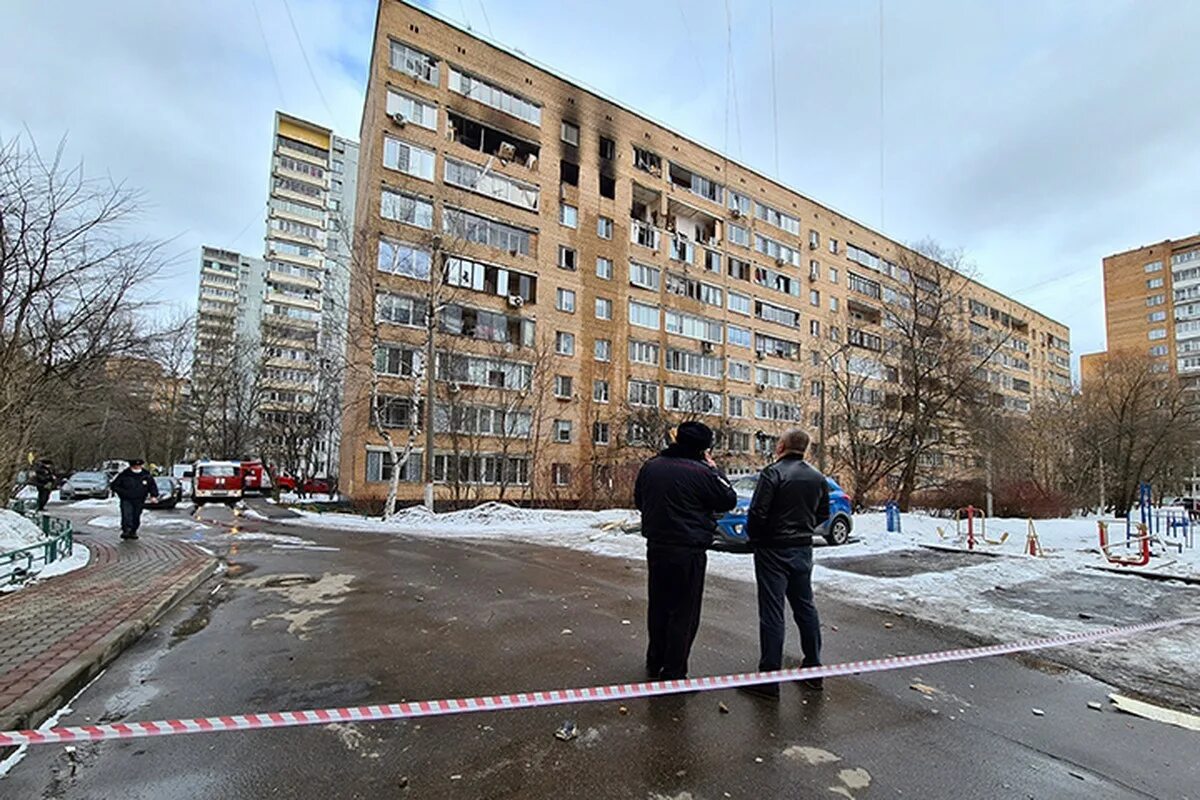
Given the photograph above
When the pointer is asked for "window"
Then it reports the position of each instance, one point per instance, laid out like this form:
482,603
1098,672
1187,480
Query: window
1158,333
608,186
562,431
738,337
642,315
696,184
1156,300
643,393
563,386
489,326
566,257
774,346
643,352
833,304
773,313
777,250
408,158
412,109
693,327
489,279
414,62
777,412
483,371
568,215
570,133
739,203
694,363
1154,283
739,371
407,208
608,148
568,173
397,361
1153,266
1158,350
604,268
481,230
602,349
600,391
814,297
737,408
833,246
380,465
644,276
777,218
814,240
604,308
689,287
399,310
604,227
494,96
833,275
862,285
778,378
739,269
561,473
398,258
564,343
1156,316
738,235
739,303
692,401
474,178
564,300
599,433
712,261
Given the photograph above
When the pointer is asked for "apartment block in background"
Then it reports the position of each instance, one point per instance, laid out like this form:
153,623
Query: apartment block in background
1152,306
229,308
643,276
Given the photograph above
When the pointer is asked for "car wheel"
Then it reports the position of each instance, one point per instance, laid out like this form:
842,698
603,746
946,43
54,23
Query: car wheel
839,531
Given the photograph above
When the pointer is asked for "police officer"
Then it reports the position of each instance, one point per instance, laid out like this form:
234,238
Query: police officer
45,480
133,485
680,492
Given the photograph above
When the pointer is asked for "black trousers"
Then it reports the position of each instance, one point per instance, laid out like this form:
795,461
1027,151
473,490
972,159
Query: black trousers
43,497
786,574
673,615
131,515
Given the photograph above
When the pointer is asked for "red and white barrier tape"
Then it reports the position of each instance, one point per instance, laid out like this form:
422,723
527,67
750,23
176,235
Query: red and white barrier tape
553,697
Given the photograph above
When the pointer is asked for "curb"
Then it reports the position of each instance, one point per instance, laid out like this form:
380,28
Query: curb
39,704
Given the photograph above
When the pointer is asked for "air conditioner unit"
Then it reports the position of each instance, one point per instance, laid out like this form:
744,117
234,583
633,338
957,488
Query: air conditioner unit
508,151
455,388
779,262
762,387
813,245
737,213
707,347
760,355
516,301
399,119
531,161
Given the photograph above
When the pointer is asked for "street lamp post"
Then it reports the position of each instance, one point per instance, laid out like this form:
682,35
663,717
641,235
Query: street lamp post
430,329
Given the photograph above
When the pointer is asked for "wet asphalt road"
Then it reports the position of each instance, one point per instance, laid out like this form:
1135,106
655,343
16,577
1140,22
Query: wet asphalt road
388,618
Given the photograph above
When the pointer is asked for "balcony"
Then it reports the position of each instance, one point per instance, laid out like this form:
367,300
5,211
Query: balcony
682,250
863,312
644,234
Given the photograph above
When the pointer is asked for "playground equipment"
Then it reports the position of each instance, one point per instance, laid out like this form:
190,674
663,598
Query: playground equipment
1141,559
972,514
1033,545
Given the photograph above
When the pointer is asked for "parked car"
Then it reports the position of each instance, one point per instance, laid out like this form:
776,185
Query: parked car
316,486
85,484
731,528
217,482
285,482
170,493
113,467
183,473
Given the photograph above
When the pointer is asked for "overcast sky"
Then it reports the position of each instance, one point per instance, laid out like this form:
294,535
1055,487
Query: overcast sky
1038,137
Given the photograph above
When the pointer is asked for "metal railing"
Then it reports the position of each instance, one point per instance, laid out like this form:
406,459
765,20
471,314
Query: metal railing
22,564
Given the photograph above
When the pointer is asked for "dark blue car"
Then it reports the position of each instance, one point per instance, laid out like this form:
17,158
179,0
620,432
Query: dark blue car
731,528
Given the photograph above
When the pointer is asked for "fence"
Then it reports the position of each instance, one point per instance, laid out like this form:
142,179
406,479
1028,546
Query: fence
18,566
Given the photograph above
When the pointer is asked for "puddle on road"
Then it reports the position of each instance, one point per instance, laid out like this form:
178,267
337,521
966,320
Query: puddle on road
902,563
311,598
812,756
1100,598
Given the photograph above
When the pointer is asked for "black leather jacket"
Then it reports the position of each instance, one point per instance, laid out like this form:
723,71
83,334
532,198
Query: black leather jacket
791,500
134,486
678,497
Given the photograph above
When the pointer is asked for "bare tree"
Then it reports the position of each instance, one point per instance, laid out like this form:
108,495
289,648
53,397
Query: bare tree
227,402
70,274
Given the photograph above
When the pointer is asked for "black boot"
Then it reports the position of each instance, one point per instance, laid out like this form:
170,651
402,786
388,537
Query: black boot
766,691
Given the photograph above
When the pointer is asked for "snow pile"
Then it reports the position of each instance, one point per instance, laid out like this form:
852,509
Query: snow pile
110,502
17,531
488,520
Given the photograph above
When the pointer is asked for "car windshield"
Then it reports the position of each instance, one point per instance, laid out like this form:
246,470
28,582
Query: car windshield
218,472
89,477
163,483
745,484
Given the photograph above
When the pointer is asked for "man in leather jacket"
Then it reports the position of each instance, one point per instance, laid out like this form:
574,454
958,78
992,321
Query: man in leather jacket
791,500
680,492
133,485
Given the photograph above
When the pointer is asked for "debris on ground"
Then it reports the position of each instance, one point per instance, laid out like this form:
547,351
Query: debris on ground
724,709
1094,706
567,632
924,689
1037,712
566,732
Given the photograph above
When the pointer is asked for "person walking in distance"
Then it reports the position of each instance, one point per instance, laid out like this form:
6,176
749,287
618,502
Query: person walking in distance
791,500
133,485
680,492
45,480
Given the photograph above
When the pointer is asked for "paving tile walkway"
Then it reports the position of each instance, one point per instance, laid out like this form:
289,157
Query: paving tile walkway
56,635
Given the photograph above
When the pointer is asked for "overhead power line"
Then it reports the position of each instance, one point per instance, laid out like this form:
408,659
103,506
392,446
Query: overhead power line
267,49
774,87
307,63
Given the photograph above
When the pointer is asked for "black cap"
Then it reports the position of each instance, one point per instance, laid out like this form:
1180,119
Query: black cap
136,462
693,437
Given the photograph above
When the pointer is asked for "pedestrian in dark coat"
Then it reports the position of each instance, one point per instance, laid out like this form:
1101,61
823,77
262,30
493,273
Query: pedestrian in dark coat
45,480
133,485
680,493
791,500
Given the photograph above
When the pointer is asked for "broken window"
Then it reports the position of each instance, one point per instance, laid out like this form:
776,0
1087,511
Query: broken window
568,173
608,148
492,141
608,187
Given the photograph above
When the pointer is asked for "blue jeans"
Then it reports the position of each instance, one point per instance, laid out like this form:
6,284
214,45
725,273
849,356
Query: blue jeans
786,573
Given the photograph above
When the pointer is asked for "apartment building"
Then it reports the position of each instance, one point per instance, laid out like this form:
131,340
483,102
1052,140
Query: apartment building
643,276
1152,306
287,312
229,307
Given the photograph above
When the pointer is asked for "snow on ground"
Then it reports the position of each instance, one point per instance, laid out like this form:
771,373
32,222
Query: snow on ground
291,498
108,502
975,597
17,532
149,520
30,493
